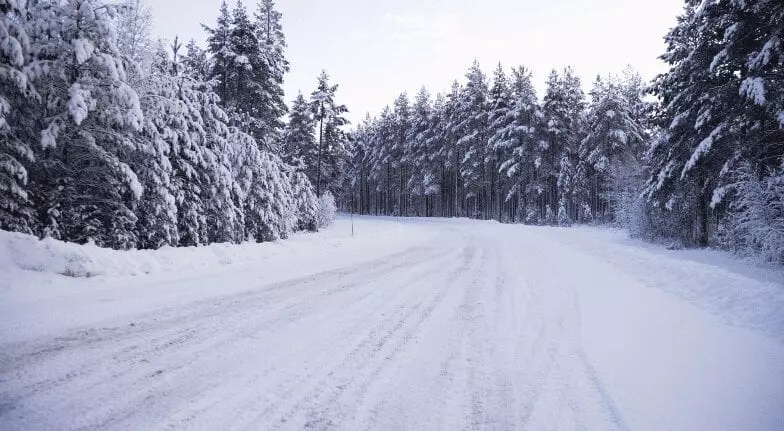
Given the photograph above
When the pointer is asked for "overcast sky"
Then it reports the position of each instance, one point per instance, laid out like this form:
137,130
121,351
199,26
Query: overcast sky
375,49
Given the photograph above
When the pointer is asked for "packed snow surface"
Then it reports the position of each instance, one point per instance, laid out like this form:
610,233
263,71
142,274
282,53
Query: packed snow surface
407,324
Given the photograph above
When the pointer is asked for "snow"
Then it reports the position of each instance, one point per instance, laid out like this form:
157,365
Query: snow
22,254
10,46
408,324
325,215
678,119
718,196
762,59
49,135
83,49
723,55
753,88
77,103
702,149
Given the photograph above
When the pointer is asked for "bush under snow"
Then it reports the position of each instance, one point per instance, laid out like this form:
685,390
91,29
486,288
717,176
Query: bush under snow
326,210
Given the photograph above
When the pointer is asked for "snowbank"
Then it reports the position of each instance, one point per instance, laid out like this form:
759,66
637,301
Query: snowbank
24,253
742,293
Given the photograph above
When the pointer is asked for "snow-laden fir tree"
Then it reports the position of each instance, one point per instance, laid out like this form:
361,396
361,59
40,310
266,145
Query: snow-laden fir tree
194,61
722,104
299,143
501,140
222,59
84,189
472,132
399,149
269,106
423,178
383,138
562,107
243,48
328,115
522,136
614,142
155,158
107,142
17,98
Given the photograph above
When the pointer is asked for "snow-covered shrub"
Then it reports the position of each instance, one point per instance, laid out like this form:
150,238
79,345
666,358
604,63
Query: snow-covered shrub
326,210
625,192
643,218
549,217
563,215
305,201
755,223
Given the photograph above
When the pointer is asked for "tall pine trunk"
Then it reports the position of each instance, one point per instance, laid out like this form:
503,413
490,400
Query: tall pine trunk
318,164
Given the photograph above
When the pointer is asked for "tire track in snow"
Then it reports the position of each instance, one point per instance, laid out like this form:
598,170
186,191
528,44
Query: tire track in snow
376,351
282,388
39,374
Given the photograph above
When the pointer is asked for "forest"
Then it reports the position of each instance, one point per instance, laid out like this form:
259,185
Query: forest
112,137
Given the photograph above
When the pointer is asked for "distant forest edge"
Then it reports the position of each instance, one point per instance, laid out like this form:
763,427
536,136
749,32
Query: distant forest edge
110,137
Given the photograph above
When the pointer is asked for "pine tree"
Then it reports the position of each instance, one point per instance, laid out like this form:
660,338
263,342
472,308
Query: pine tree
614,142
563,111
399,148
472,132
453,149
84,189
194,63
718,97
383,138
244,48
269,105
501,139
555,113
223,59
106,141
522,136
423,178
439,155
299,144
153,160
304,200
329,116
17,97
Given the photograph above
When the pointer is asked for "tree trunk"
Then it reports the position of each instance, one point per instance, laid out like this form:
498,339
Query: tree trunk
318,168
702,216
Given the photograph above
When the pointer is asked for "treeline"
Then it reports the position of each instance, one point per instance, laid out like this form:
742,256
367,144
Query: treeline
701,163
493,150
107,136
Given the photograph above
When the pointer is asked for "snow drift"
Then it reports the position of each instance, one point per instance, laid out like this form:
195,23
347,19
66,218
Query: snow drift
21,252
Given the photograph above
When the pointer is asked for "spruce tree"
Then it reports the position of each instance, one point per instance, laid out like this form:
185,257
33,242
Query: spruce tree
269,106
523,138
219,44
501,138
18,97
299,144
85,189
720,106
329,116
472,132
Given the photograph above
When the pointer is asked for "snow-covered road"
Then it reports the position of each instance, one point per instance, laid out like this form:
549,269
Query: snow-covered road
460,325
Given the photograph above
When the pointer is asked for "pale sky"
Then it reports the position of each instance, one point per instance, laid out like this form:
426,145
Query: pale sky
375,49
